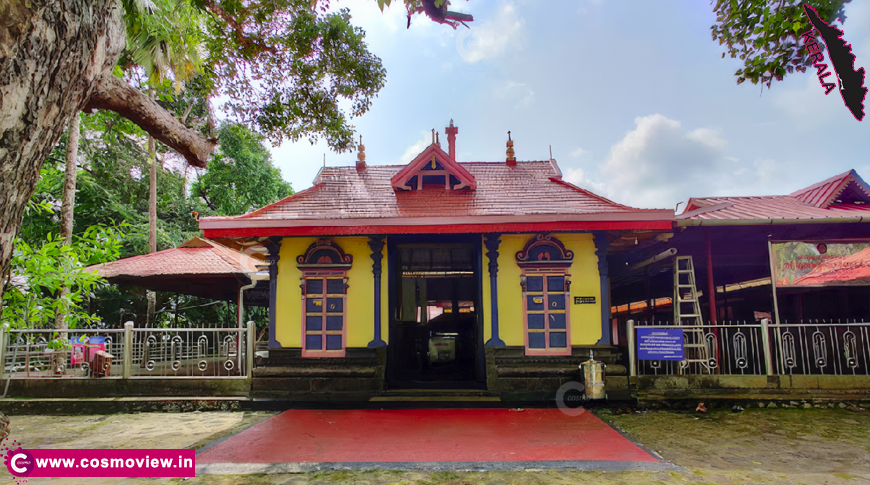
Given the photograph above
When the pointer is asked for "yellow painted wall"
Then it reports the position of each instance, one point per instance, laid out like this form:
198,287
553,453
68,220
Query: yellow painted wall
585,281
360,292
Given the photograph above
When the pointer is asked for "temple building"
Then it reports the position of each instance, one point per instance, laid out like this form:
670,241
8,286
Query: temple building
488,277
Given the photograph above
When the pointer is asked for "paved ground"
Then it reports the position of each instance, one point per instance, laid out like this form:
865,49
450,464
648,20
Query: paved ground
485,439
781,446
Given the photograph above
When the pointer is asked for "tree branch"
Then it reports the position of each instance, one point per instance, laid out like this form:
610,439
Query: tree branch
255,45
116,95
202,193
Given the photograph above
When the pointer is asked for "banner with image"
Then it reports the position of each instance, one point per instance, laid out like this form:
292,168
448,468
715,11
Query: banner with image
804,264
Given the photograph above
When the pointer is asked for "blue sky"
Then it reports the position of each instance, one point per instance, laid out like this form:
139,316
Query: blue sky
634,98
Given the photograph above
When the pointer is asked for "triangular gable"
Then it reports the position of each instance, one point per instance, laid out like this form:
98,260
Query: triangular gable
433,166
696,203
844,188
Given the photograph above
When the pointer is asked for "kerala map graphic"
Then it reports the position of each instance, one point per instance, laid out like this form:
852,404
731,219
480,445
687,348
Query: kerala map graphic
851,81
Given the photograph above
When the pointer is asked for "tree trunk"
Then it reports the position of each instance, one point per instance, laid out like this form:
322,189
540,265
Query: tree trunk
152,198
116,95
51,54
54,55
68,200
68,204
152,226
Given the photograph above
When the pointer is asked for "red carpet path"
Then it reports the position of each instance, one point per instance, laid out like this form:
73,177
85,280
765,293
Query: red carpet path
426,435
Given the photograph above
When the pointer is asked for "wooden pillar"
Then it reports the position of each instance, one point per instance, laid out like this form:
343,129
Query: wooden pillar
376,243
273,244
711,286
492,241
601,243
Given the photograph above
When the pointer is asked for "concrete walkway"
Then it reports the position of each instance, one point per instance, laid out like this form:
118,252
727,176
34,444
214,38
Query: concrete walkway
425,439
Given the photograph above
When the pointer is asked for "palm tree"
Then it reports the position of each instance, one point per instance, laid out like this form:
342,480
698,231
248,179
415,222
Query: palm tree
166,44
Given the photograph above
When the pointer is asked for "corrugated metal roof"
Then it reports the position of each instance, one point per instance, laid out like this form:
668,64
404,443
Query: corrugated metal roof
818,201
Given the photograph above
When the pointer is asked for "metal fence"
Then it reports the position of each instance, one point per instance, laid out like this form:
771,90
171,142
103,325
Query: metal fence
134,353
739,348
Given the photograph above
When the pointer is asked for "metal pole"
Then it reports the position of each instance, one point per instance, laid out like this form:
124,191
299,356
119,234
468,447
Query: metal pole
711,286
3,336
773,283
249,348
128,350
765,341
632,357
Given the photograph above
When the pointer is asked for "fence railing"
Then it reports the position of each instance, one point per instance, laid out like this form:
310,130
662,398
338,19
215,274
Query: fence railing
764,348
136,353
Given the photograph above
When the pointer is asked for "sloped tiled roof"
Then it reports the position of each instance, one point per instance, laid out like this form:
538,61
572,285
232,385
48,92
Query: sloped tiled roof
527,189
196,257
818,201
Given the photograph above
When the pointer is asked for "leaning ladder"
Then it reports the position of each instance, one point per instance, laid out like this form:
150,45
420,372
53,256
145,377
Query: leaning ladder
686,299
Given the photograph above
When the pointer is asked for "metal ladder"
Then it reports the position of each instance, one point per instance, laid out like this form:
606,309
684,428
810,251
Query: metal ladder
686,294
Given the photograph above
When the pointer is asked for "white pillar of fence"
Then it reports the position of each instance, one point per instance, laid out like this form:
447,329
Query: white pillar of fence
765,343
632,356
128,350
249,348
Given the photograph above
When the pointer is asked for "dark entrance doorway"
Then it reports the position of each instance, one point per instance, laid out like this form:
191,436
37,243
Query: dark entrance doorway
435,316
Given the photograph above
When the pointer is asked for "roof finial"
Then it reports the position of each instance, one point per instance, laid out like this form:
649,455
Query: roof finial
433,135
511,159
438,138
361,156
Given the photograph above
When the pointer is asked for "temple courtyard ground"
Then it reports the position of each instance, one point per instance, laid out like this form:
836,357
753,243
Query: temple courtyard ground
788,446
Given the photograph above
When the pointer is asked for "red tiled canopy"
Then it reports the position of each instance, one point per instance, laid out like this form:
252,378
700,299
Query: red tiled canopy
504,197
199,267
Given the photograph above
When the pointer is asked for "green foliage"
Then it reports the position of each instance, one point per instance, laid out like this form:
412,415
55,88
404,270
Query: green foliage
39,272
287,65
240,177
165,41
764,34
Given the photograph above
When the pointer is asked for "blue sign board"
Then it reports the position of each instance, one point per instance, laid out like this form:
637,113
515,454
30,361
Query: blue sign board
660,344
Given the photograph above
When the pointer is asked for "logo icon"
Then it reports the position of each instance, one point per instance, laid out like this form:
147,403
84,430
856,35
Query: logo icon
569,398
19,462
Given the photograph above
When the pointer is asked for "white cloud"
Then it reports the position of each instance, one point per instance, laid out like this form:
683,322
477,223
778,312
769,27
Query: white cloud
578,152
415,149
657,162
580,178
493,37
711,138
660,163
807,106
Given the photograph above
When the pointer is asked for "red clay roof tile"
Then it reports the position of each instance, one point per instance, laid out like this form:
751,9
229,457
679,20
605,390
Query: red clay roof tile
529,188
